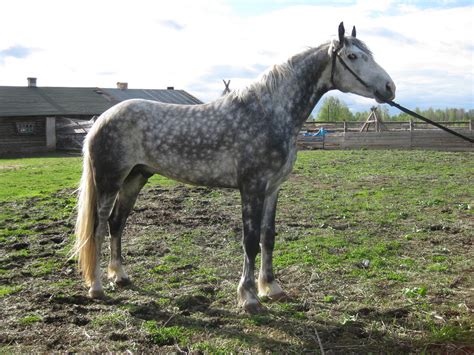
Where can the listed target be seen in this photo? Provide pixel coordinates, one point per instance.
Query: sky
(427, 47)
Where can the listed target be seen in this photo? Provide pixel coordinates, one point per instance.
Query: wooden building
(29, 114)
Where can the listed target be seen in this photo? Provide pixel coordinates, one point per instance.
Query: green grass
(329, 299)
(30, 319)
(451, 333)
(44, 267)
(373, 248)
(31, 177)
(209, 347)
(39, 177)
(415, 292)
(8, 290)
(166, 335)
(110, 320)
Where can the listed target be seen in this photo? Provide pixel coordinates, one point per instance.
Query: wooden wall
(13, 142)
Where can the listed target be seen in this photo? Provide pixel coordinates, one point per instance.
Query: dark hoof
(97, 294)
(123, 283)
(254, 308)
(279, 297)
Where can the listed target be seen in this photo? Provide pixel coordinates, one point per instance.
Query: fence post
(411, 133)
(471, 124)
(345, 126)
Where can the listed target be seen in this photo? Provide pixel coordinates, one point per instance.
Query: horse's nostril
(389, 87)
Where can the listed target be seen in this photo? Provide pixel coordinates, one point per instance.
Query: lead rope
(390, 102)
(414, 114)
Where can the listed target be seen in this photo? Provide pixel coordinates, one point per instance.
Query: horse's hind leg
(123, 205)
(105, 203)
(267, 285)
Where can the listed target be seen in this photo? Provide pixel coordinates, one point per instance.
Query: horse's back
(184, 142)
(211, 144)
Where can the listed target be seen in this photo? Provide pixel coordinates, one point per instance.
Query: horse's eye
(352, 56)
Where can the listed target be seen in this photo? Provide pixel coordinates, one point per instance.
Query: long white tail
(85, 247)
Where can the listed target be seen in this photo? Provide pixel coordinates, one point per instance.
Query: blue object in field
(321, 133)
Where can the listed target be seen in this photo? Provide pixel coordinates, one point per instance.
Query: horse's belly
(218, 171)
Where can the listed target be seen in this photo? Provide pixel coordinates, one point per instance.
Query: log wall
(11, 141)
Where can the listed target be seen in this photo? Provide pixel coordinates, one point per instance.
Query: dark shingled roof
(20, 101)
(168, 96)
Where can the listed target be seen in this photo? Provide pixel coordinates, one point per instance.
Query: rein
(336, 55)
(414, 114)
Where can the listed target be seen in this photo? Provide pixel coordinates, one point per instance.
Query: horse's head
(355, 70)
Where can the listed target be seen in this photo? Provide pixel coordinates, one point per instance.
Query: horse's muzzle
(387, 94)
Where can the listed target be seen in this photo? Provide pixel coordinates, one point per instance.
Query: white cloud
(154, 44)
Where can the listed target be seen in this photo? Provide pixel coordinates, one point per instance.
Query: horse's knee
(251, 247)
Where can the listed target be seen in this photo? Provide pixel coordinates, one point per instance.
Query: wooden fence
(355, 126)
(70, 135)
(393, 135)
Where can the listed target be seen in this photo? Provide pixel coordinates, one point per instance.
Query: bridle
(336, 56)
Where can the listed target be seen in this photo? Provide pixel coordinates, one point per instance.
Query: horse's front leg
(252, 209)
(267, 285)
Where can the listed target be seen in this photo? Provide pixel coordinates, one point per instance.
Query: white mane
(267, 81)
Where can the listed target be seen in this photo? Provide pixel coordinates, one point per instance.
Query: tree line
(334, 109)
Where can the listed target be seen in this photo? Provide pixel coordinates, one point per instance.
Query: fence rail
(387, 135)
(355, 126)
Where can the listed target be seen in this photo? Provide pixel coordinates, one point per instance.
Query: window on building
(25, 128)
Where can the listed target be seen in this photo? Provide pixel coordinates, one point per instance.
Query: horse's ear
(341, 34)
(354, 32)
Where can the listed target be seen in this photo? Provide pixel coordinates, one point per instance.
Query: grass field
(375, 249)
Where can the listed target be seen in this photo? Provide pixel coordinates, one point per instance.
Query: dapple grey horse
(245, 140)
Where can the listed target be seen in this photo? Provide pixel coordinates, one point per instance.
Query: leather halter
(335, 56)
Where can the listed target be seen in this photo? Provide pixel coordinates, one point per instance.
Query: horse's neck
(310, 80)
